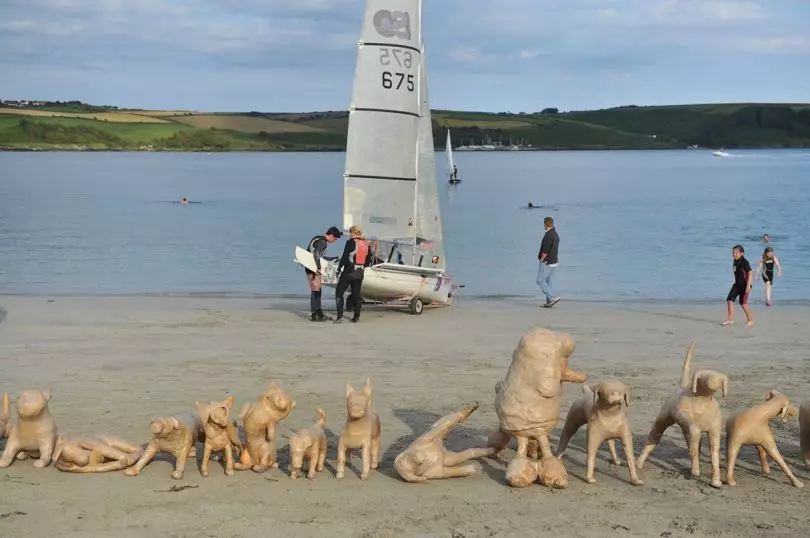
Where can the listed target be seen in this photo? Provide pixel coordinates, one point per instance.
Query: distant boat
(448, 151)
(720, 154)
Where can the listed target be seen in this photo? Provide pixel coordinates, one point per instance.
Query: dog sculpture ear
(349, 389)
(595, 391)
(783, 412)
(627, 397)
(724, 385)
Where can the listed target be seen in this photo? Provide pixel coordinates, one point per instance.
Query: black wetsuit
(740, 287)
(767, 273)
(317, 246)
(351, 274)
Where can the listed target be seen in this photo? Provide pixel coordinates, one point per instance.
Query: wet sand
(113, 363)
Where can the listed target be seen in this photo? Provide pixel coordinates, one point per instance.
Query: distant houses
(21, 103)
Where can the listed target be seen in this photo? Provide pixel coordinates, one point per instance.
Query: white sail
(448, 151)
(382, 140)
(428, 214)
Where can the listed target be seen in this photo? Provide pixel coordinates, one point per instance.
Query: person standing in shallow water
(743, 282)
(357, 255)
(548, 261)
(317, 246)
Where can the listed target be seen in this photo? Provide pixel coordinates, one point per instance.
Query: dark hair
(548, 221)
(738, 247)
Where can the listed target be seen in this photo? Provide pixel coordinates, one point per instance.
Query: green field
(733, 125)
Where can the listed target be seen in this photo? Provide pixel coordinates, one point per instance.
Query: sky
(483, 55)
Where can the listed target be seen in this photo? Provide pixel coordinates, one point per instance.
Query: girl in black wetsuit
(765, 267)
(357, 255)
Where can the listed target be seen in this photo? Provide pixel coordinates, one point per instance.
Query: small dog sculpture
(309, 444)
(549, 471)
(34, 431)
(694, 408)
(804, 432)
(178, 436)
(362, 431)
(220, 434)
(602, 410)
(752, 427)
(259, 421)
(427, 458)
(95, 454)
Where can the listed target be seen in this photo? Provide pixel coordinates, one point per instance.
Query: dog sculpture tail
(687, 365)
(321, 418)
(5, 416)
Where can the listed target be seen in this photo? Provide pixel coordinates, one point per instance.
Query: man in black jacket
(317, 246)
(548, 261)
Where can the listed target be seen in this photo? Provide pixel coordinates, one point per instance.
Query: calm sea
(634, 225)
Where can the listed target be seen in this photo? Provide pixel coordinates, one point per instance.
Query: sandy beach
(113, 363)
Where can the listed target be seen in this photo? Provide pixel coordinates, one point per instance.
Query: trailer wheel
(416, 306)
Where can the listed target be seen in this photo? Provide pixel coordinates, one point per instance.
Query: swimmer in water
(184, 201)
(766, 238)
(531, 205)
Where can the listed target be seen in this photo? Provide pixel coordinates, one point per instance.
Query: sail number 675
(404, 60)
(394, 80)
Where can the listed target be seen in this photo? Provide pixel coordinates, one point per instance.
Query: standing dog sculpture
(34, 431)
(752, 427)
(259, 421)
(94, 454)
(694, 408)
(220, 434)
(427, 458)
(362, 431)
(309, 444)
(602, 410)
(804, 432)
(178, 436)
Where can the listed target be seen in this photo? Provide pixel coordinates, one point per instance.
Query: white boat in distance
(720, 154)
(389, 181)
(448, 153)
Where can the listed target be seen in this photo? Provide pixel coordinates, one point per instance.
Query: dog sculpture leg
(46, 446)
(773, 452)
(763, 459)
(614, 455)
(341, 459)
(654, 437)
(627, 444)
(714, 448)
(146, 457)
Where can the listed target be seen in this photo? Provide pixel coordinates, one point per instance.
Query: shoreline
(343, 149)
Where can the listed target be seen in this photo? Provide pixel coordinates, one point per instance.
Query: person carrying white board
(317, 246)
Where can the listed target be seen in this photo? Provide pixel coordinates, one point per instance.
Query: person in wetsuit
(357, 255)
(455, 172)
(765, 267)
(317, 246)
(743, 282)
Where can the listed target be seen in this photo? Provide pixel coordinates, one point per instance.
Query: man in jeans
(548, 261)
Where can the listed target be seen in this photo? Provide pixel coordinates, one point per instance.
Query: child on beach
(765, 268)
(743, 281)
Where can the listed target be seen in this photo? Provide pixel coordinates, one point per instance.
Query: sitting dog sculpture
(259, 421)
(694, 408)
(177, 435)
(602, 410)
(427, 458)
(523, 471)
(95, 454)
(34, 431)
(804, 432)
(752, 427)
(527, 403)
(362, 431)
(220, 434)
(309, 444)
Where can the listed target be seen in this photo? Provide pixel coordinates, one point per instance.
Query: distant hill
(80, 126)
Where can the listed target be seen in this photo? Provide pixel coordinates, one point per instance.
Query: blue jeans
(544, 273)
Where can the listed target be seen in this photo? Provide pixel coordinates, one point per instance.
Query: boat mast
(420, 74)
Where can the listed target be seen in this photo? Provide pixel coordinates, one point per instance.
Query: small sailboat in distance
(451, 167)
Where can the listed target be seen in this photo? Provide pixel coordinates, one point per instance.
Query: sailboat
(448, 151)
(389, 180)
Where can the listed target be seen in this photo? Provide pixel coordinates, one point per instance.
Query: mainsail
(384, 121)
(448, 152)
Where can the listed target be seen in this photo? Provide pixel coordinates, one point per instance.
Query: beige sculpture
(96, 454)
(752, 428)
(426, 458)
(5, 417)
(34, 431)
(602, 409)
(259, 421)
(523, 471)
(177, 435)
(220, 434)
(309, 444)
(527, 403)
(362, 431)
(804, 432)
(694, 408)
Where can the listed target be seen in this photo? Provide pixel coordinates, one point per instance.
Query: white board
(305, 258)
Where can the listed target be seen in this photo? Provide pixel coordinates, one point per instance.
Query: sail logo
(393, 24)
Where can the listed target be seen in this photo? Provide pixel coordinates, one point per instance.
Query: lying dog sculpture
(178, 436)
(694, 408)
(259, 421)
(309, 444)
(804, 431)
(362, 431)
(427, 458)
(95, 454)
(602, 410)
(527, 403)
(523, 471)
(220, 434)
(34, 431)
(752, 427)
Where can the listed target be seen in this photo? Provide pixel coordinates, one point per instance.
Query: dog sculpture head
(707, 382)
(216, 412)
(357, 401)
(277, 400)
(32, 403)
(164, 426)
(785, 409)
(611, 393)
